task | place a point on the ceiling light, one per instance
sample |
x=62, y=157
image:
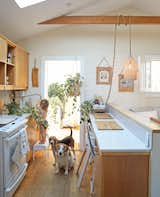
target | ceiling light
x=26, y=3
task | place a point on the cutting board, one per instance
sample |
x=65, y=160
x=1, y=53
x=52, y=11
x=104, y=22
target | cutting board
x=102, y=116
x=108, y=125
x=157, y=120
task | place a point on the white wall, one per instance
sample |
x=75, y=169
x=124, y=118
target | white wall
x=92, y=43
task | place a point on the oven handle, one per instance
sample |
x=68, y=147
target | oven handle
x=15, y=135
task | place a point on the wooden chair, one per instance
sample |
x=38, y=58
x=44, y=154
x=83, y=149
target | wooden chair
x=88, y=155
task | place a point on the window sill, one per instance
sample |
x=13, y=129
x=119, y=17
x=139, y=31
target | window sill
x=151, y=94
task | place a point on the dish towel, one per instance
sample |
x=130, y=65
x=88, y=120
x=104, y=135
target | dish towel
x=24, y=142
x=16, y=156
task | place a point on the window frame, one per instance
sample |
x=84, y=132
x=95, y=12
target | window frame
x=142, y=73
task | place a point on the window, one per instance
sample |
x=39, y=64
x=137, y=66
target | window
x=26, y=3
x=150, y=74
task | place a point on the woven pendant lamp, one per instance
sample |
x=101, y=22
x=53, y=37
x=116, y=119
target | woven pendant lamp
x=130, y=65
x=130, y=69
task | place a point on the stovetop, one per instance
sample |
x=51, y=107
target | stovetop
x=12, y=124
x=6, y=119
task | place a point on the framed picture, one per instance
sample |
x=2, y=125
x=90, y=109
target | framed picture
x=103, y=75
x=125, y=85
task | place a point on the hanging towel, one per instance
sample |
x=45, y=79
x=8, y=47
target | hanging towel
x=16, y=155
x=24, y=142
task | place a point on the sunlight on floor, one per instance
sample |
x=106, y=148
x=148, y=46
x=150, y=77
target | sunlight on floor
x=55, y=130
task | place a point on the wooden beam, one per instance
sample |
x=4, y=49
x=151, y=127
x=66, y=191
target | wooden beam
x=102, y=20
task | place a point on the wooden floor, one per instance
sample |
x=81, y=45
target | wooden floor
x=41, y=181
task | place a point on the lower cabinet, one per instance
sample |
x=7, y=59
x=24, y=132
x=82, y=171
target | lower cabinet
x=122, y=175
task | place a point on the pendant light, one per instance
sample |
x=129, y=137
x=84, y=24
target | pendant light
x=130, y=65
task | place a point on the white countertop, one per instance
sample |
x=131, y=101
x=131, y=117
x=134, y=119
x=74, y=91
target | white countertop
x=117, y=140
x=140, y=119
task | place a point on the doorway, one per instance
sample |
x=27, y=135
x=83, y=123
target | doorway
x=56, y=72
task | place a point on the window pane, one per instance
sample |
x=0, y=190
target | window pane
x=155, y=75
x=148, y=75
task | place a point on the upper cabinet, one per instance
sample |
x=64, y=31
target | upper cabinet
x=13, y=66
x=21, y=74
x=3, y=50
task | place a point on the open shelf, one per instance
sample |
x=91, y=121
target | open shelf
x=13, y=66
x=10, y=73
x=11, y=54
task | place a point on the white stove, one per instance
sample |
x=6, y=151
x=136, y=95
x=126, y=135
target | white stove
x=13, y=150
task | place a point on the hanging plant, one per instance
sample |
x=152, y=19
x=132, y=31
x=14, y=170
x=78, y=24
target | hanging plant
x=86, y=108
x=72, y=85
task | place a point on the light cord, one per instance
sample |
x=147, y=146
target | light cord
x=130, y=37
x=114, y=58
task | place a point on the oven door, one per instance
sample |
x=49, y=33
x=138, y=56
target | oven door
x=14, y=156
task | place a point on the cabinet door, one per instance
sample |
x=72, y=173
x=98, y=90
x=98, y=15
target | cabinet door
x=126, y=175
x=21, y=76
x=3, y=50
x=98, y=173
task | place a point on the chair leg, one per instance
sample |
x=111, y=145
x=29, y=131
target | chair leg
x=92, y=181
x=86, y=159
x=33, y=157
x=80, y=162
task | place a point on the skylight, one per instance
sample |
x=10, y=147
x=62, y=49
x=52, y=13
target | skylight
x=26, y=3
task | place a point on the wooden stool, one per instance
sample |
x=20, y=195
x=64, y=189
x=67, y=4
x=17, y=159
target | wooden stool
x=37, y=147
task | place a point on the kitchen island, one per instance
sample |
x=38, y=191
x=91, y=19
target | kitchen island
x=126, y=163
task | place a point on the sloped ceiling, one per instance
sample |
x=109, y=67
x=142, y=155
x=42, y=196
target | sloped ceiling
x=18, y=24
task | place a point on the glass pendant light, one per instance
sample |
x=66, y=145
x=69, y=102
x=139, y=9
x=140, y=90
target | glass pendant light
x=130, y=65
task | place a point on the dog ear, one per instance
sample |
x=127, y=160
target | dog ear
x=57, y=147
x=65, y=148
x=53, y=140
x=50, y=139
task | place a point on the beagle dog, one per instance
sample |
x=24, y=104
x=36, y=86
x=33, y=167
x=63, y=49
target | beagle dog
x=69, y=141
x=64, y=158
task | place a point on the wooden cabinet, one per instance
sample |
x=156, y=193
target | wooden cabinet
x=3, y=50
x=13, y=66
x=122, y=175
x=21, y=74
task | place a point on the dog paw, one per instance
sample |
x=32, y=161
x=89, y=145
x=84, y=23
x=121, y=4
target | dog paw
x=66, y=173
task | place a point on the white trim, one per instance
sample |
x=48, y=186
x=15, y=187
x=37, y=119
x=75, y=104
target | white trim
x=82, y=72
x=142, y=78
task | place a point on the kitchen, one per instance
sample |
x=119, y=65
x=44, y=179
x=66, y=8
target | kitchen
x=89, y=43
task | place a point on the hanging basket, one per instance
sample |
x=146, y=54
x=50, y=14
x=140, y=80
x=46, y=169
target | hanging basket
x=75, y=92
x=73, y=85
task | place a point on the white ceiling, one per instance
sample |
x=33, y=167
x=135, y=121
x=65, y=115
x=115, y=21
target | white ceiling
x=18, y=24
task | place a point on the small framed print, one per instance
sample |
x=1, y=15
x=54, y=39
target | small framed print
x=103, y=75
x=125, y=85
